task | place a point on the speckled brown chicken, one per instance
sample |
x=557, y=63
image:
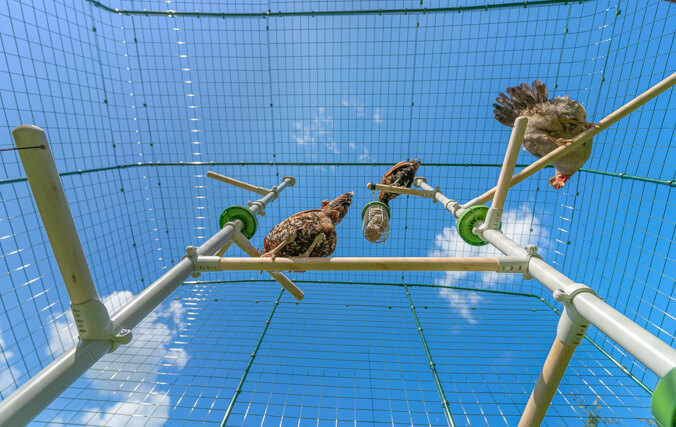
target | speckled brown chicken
x=551, y=123
x=310, y=233
x=401, y=175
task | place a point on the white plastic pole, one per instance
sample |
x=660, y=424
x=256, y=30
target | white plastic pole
x=30, y=399
x=655, y=354
x=50, y=198
x=449, y=204
x=20, y=407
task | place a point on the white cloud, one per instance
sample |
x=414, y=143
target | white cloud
x=333, y=147
x=354, y=104
x=9, y=375
x=362, y=152
x=318, y=130
x=377, y=117
x=150, y=410
x=145, y=405
x=516, y=224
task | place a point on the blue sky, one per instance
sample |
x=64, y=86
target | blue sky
x=333, y=101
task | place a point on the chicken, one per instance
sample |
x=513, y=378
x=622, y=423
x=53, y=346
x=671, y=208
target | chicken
x=551, y=123
x=401, y=175
x=310, y=233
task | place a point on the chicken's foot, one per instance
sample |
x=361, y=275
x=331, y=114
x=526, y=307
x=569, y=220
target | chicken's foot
x=560, y=141
x=585, y=125
x=319, y=238
x=289, y=238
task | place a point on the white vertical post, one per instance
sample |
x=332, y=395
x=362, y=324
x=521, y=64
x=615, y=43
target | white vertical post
x=50, y=198
x=20, y=407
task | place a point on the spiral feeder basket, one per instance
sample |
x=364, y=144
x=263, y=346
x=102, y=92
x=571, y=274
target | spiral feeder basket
x=376, y=220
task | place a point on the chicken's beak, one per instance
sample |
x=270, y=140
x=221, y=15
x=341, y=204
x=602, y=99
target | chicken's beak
x=558, y=181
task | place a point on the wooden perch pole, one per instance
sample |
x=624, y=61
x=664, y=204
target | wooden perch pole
x=218, y=177
x=350, y=264
x=555, y=365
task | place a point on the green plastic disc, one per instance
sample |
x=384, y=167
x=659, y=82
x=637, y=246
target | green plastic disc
x=363, y=211
x=664, y=400
x=243, y=214
x=468, y=220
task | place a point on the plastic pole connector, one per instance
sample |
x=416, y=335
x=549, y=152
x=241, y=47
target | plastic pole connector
x=572, y=326
x=93, y=323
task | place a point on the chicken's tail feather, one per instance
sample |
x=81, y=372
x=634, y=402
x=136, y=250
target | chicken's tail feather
x=518, y=98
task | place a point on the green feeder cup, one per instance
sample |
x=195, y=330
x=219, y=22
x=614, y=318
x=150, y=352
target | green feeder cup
x=243, y=214
x=468, y=220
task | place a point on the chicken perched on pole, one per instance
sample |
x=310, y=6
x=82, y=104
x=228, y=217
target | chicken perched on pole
x=400, y=175
x=310, y=233
x=551, y=123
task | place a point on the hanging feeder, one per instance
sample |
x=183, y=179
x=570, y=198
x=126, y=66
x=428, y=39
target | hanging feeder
x=376, y=217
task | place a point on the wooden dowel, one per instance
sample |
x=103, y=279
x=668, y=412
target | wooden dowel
x=244, y=244
x=360, y=264
x=604, y=124
x=557, y=361
x=236, y=183
x=512, y=153
x=224, y=249
x=400, y=190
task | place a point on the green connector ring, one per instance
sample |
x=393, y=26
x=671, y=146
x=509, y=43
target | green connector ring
x=243, y=214
x=468, y=220
x=664, y=400
x=363, y=211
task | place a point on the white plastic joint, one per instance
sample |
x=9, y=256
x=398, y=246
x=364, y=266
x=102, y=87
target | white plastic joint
x=191, y=254
x=572, y=326
x=261, y=205
x=418, y=179
x=566, y=295
x=93, y=323
x=532, y=251
x=513, y=264
x=493, y=218
x=452, y=206
x=292, y=180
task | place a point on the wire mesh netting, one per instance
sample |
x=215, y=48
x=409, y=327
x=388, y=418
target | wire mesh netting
x=139, y=99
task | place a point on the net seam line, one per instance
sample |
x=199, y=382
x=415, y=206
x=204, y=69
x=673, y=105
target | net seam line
x=238, y=390
x=432, y=365
x=622, y=175
x=269, y=14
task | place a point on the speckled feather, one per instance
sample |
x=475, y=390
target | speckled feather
x=545, y=118
x=401, y=175
x=307, y=225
